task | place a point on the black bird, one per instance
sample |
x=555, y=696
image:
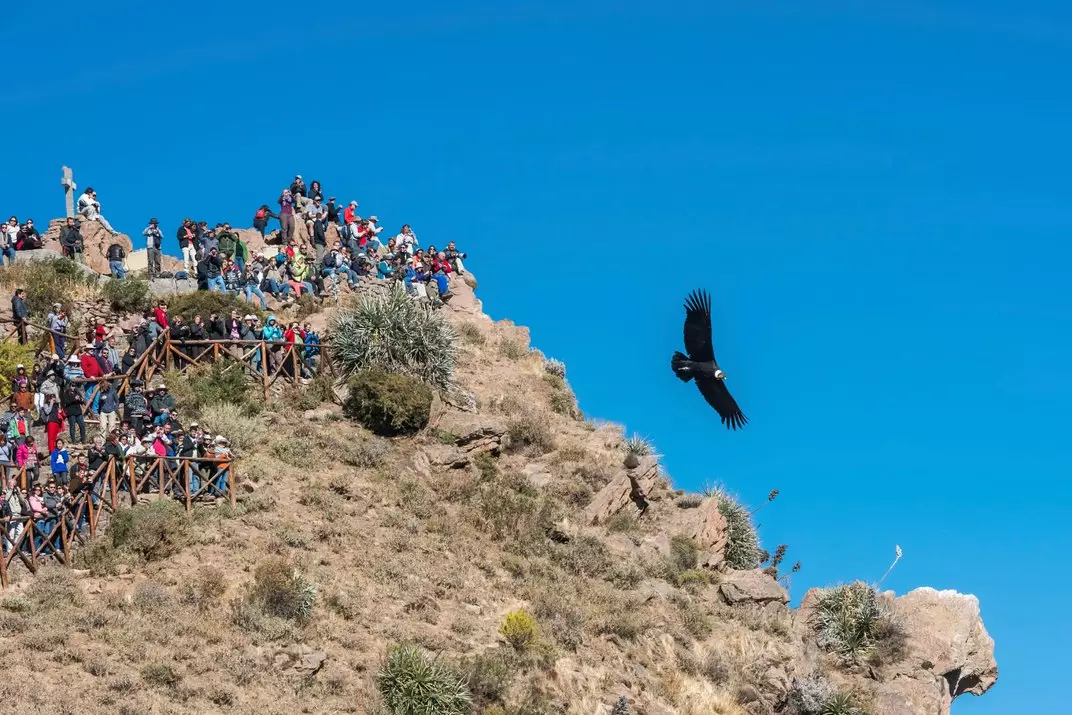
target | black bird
x=700, y=364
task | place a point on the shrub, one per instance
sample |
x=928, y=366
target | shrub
x=841, y=704
x=127, y=296
x=99, y=557
x=554, y=367
x=54, y=587
x=562, y=403
x=529, y=430
x=519, y=629
x=151, y=531
x=387, y=403
x=487, y=676
x=683, y=552
x=689, y=501
x=585, y=556
x=279, y=589
x=412, y=683
x=216, y=385
x=160, y=674
x=394, y=333
x=514, y=512
x=205, y=303
x=512, y=349
x=12, y=354
x=205, y=589
x=56, y=280
x=742, y=542
x=852, y=620
x=471, y=333
x=810, y=694
x=230, y=420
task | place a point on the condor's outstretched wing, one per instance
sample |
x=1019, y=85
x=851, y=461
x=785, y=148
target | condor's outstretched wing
x=716, y=394
x=698, y=327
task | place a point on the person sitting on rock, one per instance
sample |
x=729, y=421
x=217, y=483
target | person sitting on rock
x=71, y=242
x=9, y=237
x=454, y=258
x=29, y=238
x=89, y=207
x=299, y=192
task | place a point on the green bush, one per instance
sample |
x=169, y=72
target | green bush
x=529, y=431
x=279, y=589
x=742, y=542
x=412, y=683
x=512, y=350
x=233, y=422
x=684, y=552
x=207, y=302
x=56, y=280
x=12, y=354
x=150, y=531
x=852, y=621
x=127, y=296
x=392, y=332
x=519, y=629
x=217, y=385
x=388, y=404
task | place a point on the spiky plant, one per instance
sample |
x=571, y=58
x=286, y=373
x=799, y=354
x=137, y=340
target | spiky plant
x=621, y=707
x=391, y=331
x=840, y=704
x=554, y=367
x=849, y=619
x=412, y=683
x=742, y=542
x=639, y=446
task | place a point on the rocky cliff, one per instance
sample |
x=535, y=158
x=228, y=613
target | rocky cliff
x=634, y=589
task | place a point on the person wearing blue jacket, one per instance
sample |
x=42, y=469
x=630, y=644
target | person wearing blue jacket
x=60, y=461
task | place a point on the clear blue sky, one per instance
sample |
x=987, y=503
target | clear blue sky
x=876, y=194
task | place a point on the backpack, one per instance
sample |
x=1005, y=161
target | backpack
x=261, y=213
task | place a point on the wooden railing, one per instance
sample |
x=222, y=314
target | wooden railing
x=46, y=337
x=185, y=479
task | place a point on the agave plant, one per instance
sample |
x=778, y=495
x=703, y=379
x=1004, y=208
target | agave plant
x=742, y=542
x=391, y=331
x=413, y=683
x=849, y=619
x=554, y=367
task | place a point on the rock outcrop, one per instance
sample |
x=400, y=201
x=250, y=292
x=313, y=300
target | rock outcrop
x=637, y=486
x=710, y=534
x=754, y=586
x=96, y=240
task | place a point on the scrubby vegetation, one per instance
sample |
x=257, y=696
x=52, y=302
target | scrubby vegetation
x=57, y=280
x=852, y=621
x=519, y=629
x=393, y=333
x=412, y=683
x=388, y=404
x=152, y=531
x=127, y=296
x=742, y=546
x=205, y=303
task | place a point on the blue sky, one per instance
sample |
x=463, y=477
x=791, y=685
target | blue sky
x=876, y=194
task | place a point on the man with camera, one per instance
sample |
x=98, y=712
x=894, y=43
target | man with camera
x=89, y=207
x=154, y=240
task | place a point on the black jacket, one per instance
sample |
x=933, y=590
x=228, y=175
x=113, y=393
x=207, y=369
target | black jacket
x=19, y=310
x=71, y=239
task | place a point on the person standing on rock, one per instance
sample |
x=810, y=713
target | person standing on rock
x=154, y=240
x=260, y=219
x=57, y=323
x=286, y=217
x=20, y=313
x=89, y=207
x=187, y=236
x=116, y=256
x=71, y=241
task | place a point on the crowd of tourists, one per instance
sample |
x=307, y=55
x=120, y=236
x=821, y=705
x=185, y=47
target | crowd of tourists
x=50, y=453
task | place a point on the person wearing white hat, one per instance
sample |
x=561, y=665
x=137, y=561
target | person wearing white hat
x=299, y=192
x=57, y=323
x=221, y=451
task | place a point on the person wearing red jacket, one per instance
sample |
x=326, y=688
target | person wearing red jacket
x=90, y=366
x=160, y=315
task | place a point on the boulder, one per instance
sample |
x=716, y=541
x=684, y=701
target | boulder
x=710, y=534
x=473, y=434
x=753, y=586
x=96, y=240
x=636, y=486
x=947, y=644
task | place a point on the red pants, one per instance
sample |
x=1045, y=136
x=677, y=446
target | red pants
x=53, y=432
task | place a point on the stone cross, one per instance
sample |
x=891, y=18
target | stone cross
x=68, y=188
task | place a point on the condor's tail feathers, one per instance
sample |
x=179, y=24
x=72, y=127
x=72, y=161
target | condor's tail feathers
x=681, y=366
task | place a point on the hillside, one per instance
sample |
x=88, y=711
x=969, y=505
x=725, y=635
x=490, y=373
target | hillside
x=512, y=543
